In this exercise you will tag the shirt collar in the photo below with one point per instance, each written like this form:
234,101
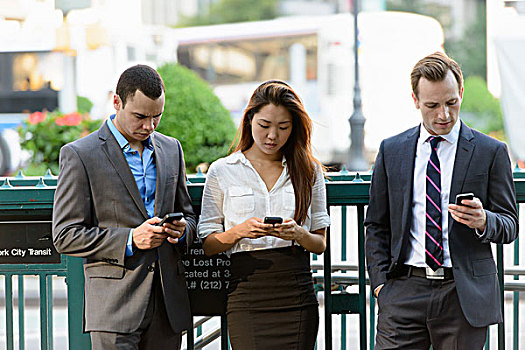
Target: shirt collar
451,137
238,156
121,139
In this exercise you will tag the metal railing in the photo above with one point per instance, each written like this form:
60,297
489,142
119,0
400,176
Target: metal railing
29,199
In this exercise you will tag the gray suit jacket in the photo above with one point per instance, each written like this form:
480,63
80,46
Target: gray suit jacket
97,201
482,166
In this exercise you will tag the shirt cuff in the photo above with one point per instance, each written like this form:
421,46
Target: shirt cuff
480,234
129,245
182,238
206,229
377,289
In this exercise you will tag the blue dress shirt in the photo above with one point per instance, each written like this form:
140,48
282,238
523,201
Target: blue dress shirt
144,171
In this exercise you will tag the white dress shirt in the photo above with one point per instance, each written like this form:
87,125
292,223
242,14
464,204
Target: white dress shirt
234,192
446,153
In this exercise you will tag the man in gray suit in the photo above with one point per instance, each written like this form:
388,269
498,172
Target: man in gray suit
112,188
430,260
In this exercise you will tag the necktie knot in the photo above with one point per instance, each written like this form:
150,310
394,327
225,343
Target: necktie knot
434,140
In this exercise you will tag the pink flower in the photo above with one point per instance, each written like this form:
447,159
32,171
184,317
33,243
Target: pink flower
37,117
70,119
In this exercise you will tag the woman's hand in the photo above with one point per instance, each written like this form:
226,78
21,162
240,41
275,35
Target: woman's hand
289,230
253,228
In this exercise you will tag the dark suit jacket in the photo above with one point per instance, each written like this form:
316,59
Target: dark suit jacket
97,201
481,166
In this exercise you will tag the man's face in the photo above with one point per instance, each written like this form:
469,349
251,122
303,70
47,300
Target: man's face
139,117
439,102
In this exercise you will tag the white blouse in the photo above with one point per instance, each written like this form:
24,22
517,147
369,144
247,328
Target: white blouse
234,192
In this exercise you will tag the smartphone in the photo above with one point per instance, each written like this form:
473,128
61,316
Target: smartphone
273,220
461,196
169,218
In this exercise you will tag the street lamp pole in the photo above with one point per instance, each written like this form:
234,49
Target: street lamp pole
356,160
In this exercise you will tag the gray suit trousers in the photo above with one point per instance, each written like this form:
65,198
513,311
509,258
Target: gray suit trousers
415,312
154,332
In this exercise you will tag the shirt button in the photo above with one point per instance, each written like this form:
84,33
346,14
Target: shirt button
151,268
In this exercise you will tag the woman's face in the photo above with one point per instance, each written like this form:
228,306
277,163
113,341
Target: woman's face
271,128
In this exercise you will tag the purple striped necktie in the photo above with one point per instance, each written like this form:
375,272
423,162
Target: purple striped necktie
434,232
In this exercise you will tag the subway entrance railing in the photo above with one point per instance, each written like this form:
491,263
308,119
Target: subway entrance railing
26,250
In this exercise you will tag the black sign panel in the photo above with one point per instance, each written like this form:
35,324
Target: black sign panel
207,278
27,242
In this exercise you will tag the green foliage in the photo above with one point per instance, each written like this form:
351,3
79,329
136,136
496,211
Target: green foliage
231,11
43,134
480,109
195,116
84,104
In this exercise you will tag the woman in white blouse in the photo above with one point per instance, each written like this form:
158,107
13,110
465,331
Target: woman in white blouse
272,172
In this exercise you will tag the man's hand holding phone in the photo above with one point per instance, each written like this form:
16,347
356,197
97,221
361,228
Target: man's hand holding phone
148,235
469,210
173,225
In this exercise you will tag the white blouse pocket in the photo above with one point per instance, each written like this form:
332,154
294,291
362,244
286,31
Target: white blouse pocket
242,201
289,199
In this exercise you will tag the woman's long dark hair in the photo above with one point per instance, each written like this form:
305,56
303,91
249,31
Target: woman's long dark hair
297,150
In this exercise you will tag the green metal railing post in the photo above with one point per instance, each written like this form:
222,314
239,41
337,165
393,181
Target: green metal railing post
516,295
75,304
327,294
49,309
225,340
9,310
343,258
21,313
362,281
43,312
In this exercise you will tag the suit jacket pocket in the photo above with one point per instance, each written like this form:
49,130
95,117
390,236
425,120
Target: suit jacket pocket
103,270
484,267
476,178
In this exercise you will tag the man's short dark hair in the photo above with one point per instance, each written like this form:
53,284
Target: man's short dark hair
435,67
139,77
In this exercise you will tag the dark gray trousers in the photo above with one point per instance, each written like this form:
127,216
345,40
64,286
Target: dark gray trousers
415,312
153,333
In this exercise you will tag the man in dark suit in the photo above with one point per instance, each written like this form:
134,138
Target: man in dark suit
112,188
429,260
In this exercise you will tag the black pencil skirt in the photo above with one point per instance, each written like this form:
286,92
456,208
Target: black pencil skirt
271,300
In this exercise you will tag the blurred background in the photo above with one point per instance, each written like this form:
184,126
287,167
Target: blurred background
60,61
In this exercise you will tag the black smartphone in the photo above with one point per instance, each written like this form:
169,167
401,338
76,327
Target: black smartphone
461,196
169,218
273,220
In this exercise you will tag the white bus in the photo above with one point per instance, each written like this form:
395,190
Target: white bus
315,54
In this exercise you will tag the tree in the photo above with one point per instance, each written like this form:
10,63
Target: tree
480,109
231,11
195,116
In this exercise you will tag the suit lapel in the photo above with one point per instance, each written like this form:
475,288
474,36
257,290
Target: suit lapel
408,148
160,162
464,152
116,157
